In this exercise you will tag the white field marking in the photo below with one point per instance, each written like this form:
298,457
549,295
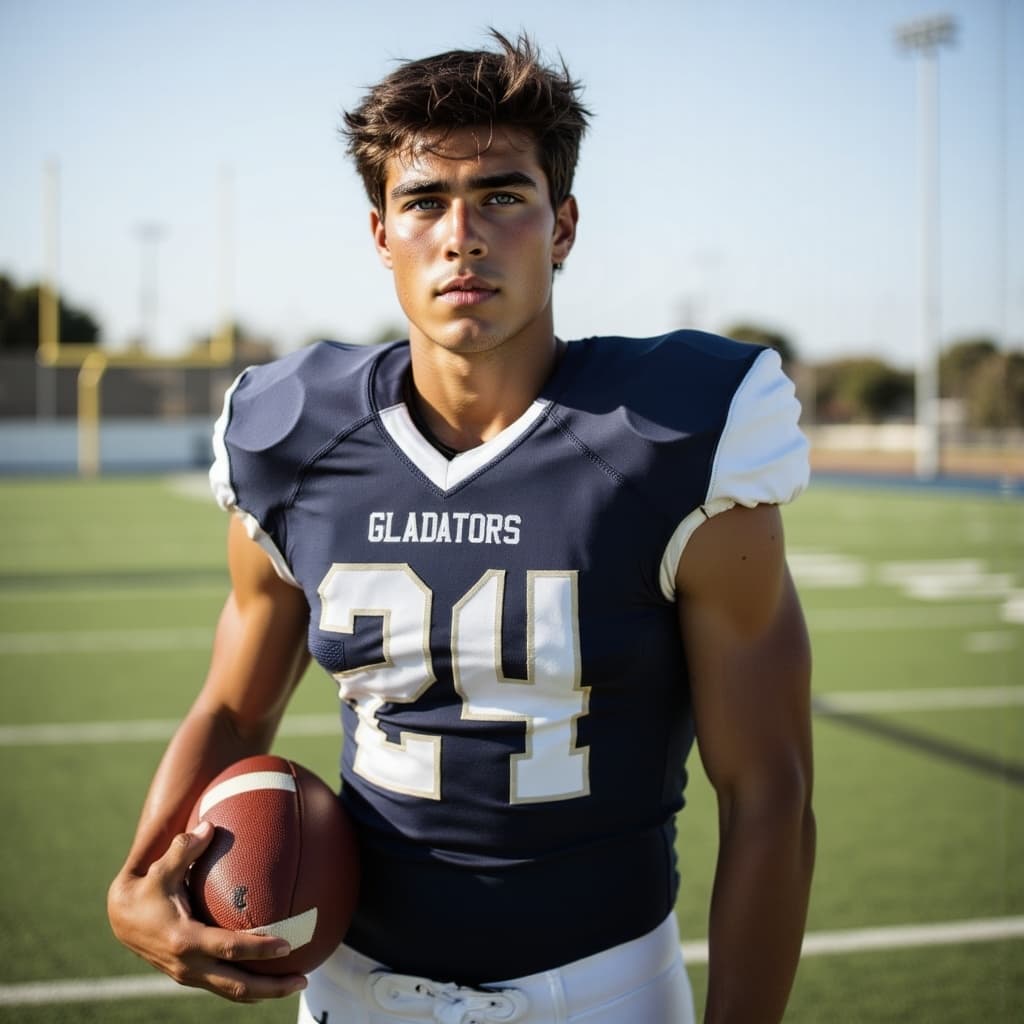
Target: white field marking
192,485
1013,609
161,729
843,620
946,579
92,990
942,699
863,620
142,730
176,591
245,784
821,569
944,588
96,641
990,641
896,572
863,940
857,940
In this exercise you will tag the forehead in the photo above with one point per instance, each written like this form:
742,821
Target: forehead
465,152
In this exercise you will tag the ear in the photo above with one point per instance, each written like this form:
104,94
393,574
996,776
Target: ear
566,218
380,238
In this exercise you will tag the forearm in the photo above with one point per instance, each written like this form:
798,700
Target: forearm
257,660
206,742
758,912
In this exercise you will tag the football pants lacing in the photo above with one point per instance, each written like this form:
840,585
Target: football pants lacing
446,1004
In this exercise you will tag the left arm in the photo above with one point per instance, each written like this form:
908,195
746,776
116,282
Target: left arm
749,659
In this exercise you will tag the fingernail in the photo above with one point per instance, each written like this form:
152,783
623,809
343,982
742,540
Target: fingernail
283,949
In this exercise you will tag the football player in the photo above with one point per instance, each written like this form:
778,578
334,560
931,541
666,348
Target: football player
537,571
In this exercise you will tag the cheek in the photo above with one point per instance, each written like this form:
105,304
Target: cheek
408,239
546,235
404,232
535,243
409,255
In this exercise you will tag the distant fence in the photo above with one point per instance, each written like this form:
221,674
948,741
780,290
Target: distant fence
127,445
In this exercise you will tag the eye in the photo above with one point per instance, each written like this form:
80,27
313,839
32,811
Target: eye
503,199
423,205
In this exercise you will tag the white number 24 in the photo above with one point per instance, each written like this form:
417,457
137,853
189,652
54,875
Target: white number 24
549,701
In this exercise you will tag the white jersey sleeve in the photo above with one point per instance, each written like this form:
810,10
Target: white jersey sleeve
762,456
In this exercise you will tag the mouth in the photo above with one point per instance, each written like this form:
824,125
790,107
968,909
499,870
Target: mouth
466,291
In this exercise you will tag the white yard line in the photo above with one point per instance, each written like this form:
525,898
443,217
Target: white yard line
857,620
94,641
831,620
857,940
941,699
91,990
903,936
141,730
148,729
177,591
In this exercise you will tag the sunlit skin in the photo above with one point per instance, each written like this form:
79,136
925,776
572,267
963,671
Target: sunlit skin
471,237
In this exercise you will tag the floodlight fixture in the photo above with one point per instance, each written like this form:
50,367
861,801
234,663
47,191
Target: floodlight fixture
924,38
926,35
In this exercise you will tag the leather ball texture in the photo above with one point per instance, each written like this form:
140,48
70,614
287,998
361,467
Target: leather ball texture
283,860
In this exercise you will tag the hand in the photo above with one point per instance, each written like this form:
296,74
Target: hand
151,915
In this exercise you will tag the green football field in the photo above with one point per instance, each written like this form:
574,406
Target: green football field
915,601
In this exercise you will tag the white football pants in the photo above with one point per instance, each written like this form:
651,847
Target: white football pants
643,981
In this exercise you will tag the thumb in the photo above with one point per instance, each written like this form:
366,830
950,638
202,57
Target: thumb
185,848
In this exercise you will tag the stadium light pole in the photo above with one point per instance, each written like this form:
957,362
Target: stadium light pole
222,340
924,38
149,236
49,296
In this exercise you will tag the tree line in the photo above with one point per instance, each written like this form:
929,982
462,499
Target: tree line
986,380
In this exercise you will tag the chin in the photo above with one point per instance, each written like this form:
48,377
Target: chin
466,341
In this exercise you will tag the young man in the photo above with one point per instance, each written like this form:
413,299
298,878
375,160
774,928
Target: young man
536,571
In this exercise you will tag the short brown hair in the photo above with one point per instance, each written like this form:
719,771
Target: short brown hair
470,88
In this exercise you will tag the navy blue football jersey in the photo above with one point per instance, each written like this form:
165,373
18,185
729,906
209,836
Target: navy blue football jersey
502,628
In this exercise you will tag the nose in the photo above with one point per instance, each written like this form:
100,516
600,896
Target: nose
464,237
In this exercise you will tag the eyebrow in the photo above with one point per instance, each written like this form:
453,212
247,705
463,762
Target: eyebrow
505,179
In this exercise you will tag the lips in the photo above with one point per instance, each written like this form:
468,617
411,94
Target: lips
466,291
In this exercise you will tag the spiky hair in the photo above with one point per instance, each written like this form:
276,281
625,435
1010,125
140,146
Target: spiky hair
423,101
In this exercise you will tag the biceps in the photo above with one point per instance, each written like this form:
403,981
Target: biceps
751,692
259,647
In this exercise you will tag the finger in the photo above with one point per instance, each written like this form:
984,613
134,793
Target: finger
221,960
242,986
224,944
184,849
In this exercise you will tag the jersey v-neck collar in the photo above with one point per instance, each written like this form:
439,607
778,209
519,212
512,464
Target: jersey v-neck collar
444,473
389,396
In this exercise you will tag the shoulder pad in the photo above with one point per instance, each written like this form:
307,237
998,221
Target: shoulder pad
279,415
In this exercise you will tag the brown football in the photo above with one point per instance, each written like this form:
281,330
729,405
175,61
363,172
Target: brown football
282,862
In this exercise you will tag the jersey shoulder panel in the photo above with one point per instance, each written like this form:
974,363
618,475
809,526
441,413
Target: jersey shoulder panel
674,382
692,423
652,411
279,416
691,392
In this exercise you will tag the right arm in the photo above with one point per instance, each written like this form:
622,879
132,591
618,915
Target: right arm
258,658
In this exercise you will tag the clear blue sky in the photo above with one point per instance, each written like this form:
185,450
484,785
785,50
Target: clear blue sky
750,159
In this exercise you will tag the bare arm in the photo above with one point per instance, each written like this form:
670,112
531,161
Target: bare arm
258,657
750,672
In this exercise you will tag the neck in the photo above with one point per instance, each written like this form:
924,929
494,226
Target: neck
466,399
